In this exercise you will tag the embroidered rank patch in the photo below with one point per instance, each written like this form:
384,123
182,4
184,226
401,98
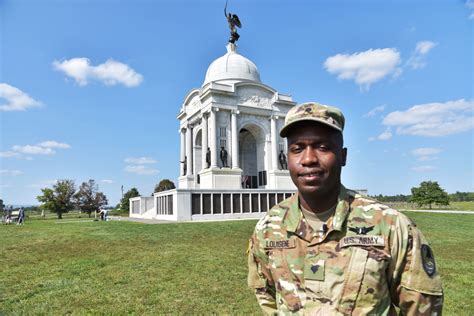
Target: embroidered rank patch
362,240
314,270
280,244
427,260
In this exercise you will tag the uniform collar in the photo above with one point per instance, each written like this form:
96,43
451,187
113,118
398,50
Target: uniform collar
293,218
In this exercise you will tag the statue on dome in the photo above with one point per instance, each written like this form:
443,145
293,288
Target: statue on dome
234,22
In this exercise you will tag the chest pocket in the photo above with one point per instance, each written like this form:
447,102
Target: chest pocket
365,279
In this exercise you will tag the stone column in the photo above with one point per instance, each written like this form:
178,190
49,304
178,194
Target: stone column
204,141
182,152
274,147
213,138
235,140
189,150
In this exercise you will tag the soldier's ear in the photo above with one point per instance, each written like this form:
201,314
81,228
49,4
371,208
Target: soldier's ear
344,156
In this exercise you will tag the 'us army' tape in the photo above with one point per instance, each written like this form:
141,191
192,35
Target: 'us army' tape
362,240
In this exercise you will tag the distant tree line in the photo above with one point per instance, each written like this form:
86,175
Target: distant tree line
461,196
453,197
63,197
429,193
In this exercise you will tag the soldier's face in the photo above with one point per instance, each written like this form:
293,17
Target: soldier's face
315,158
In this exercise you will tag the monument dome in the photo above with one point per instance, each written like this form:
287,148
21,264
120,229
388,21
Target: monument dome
232,66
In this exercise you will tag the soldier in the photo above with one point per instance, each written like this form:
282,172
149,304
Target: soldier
330,251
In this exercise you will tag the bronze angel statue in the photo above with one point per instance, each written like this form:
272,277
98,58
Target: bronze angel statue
234,22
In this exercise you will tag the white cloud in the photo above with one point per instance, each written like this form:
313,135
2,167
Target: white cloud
107,181
17,100
54,144
386,135
433,119
33,150
423,168
424,47
11,172
470,4
365,68
110,73
375,110
140,160
139,169
418,58
426,153
9,154
43,148
471,16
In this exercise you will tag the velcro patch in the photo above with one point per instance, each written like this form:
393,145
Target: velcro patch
280,244
427,259
362,240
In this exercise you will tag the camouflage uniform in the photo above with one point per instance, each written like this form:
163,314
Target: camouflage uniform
369,259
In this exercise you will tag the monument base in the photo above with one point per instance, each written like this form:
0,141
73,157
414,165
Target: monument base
221,178
281,180
186,182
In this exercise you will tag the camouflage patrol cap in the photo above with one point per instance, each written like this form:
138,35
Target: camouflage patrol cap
312,111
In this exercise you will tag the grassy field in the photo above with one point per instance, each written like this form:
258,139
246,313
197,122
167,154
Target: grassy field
118,267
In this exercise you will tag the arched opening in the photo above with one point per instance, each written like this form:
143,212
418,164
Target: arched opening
252,157
197,156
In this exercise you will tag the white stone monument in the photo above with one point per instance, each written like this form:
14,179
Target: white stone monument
233,111
230,148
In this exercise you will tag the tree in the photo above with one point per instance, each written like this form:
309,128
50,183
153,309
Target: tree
164,185
59,199
429,193
88,198
124,202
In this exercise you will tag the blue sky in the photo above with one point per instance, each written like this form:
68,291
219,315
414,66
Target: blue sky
91,89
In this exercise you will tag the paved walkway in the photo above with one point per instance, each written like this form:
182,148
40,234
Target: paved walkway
441,211
139,220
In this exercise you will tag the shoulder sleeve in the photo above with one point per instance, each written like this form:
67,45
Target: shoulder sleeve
415,283
259,277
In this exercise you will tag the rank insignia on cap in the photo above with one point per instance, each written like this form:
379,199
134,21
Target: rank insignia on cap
427,260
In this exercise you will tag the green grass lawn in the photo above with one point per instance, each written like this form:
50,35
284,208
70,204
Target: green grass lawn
189,268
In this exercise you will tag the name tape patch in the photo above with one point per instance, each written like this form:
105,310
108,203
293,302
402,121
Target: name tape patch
362,240
280,244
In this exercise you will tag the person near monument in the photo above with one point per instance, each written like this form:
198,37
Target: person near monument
282,159
208,157
224,157
21,216
328,250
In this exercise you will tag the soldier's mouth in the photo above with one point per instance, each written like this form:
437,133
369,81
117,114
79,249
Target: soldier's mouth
310,176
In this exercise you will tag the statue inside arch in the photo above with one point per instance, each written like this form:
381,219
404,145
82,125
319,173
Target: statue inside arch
282,159
224,157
